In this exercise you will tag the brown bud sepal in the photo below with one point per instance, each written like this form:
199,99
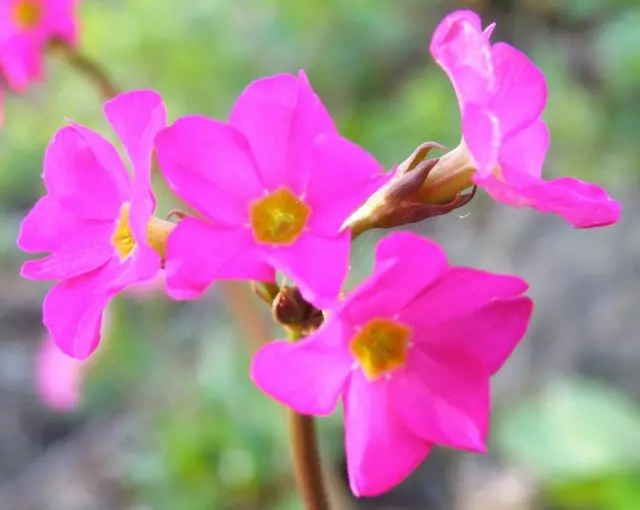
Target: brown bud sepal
294,313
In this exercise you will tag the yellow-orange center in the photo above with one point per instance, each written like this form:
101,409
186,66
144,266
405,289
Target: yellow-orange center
279,218
380,347
157,234
27,13
122,238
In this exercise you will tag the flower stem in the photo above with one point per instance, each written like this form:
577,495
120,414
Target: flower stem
306,462
87,67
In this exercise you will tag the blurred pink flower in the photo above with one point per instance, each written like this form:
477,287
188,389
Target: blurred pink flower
59,378
94,220
410,351
26,27
501,96
275,185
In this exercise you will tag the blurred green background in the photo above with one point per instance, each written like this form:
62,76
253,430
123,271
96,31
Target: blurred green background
169,419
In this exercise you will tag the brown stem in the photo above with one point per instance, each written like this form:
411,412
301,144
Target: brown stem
246,312
86,66
306,462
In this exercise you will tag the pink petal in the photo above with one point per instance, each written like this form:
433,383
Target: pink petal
522,155
142,265
520,90
72,311
209,165
318,265
381,451
481,133
83,248
457,293
62,19
44,227
307,375
136,117
464,52
490,333
443,397
281,116
406,264
108,157
342,177
58,378
199,253
582,204
21,61
75,178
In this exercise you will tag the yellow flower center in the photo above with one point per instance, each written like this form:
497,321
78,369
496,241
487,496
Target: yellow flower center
157,234
381,346
27,13
279,218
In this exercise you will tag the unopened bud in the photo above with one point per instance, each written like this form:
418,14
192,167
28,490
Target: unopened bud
401,201
449,178
292,311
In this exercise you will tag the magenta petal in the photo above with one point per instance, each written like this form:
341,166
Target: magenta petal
464,52
490,333
209,165
318,265
520,90
459,292
522,155
381,451
21,61
582,204
406,264
281,116
307,375
481,133
82,249
199,253
77,180
343,176
43,228
72,311
142,265
108,157
442,396
136,117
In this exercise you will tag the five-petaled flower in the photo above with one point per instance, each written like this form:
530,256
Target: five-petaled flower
26,27
275,185
501,96
410,351
95,220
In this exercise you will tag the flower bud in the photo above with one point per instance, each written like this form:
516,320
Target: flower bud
294,313
414,193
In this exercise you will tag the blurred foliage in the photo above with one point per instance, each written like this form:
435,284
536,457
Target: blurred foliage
210,439
582,439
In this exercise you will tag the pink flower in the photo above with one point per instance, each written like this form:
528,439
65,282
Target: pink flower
410,352
94,220
26,26
274,184
501,96
58,377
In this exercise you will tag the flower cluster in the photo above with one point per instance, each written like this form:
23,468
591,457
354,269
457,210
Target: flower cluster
275,189
26,28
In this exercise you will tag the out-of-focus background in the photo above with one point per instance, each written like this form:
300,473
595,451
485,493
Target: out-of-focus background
164,416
